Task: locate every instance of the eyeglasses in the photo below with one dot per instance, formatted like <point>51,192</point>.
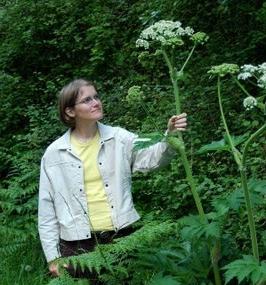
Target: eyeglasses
<point>88,100</point>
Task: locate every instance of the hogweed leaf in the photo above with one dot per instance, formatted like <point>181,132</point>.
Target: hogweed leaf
<point>222,145</point>
<point>146,140</point>
<point>248,268</point>
<point>214,146</point>
<point>194,228</point>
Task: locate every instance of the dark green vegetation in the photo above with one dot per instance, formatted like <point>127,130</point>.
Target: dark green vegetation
<point>45,44</point>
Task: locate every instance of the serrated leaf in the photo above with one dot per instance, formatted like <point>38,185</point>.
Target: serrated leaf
<point>221,145</point>
<point>194,228</point>
<point>257,189</point>
<point>241,269</point>
<point>236,199</point>
<point>212,230</point>
<point>221,208</point>
<point>146,140</point>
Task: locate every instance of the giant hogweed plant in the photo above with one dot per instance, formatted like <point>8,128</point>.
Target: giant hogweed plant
<point>165,39</point>
<point>249,267</point>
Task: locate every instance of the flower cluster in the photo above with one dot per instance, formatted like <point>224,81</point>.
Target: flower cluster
<point>224,69</point>
<point>258,72</point>
<point>134,95</point>
<point>250,102</point>
<point>166,33</point>
<point>199,38</point>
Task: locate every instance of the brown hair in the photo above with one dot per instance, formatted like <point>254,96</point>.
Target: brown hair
<point>67,98</point>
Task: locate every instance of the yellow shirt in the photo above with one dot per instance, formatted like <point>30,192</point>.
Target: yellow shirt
<point>98,206</point>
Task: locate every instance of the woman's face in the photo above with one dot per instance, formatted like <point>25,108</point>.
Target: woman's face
<point>88,107</point>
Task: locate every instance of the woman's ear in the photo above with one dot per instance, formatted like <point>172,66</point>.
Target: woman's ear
<point>70,112</point>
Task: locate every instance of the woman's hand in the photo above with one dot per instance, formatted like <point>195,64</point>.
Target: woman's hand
<point>177,123</point>
<point>54,268</point>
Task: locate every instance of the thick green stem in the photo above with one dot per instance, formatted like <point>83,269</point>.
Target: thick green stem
<point>251,222</point>
<point>215,256</point>
<point>252,227</point>
<point>215,251</point>
<point>235,152</point>
<point>173,76</point>
<point>241,162</point>
<point>179,145</point>
<point>192,183</point>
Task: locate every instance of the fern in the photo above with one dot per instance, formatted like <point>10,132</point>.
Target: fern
<point>111,261</point>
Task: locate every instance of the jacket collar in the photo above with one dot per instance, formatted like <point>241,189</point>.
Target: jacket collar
<point>106,133</point>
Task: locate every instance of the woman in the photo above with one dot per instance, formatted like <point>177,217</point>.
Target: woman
<point>85,179</point>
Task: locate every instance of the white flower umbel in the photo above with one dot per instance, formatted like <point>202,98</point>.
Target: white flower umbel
<point>262,75</point>
<point>262,81</point>
<point>249,68</point>
<point>244,75</point>
<point>142,43</point>
<point>262,67</point>
<point>247,71</point>
<point>257,72</point>
<point>164,33</point>
<point>250,102</point>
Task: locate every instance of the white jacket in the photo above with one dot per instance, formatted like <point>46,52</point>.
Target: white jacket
<point>63,212</point>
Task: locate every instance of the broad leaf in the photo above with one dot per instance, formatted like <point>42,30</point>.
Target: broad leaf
<point>222,145</point>
<point>146,140</point>
<point>194,228</point>
<point>248,268</point>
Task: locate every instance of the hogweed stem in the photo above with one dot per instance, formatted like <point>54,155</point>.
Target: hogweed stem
<point>179,145</point>
<point>241,162</point>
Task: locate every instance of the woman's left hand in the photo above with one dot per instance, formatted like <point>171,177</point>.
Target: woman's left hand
<point>177,123</point>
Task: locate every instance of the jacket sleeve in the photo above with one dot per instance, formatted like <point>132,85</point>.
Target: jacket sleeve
<point>47,220</point>
<point>152,157</point>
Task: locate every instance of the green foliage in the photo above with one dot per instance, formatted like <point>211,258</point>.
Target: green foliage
<point>115,262</point>
<point>158,279</point>
<point>67,280</point>
<point>146,140</point>
<point>247,268</point>
<point>194,228</point>
<point>222,144</point>
<point>45,44</point>
<point>25,265</point>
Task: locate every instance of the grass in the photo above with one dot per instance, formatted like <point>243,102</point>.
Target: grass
<point>24,266</point>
